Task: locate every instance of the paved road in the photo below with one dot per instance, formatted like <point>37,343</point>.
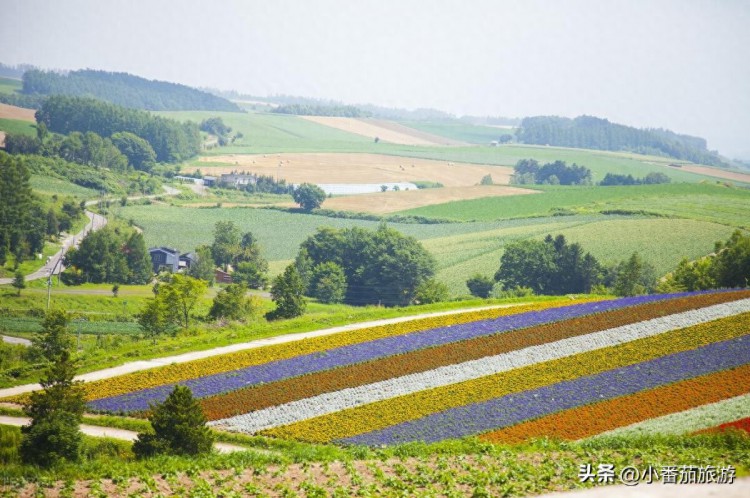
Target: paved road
<point>96,221</point>
<point>136,366</point>
<point>122,434</point>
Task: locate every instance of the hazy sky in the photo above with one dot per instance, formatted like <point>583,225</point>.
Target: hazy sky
<point>682,64</point>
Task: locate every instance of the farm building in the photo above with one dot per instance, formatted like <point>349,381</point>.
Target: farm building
<point>237,179</point>
<point>187,260</point>
<point>209,181</point>
<point>222,277</point>
<point>189,179</point>
<point>164,259</point>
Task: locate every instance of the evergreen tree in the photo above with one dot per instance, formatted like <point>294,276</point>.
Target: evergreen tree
<point>634,277</point>
<point>19,282</point>
<point>179,427</point>
<point>56,412</point>
<point>138,259</point>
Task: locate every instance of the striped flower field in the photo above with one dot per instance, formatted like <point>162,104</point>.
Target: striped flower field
<point>569,371</point>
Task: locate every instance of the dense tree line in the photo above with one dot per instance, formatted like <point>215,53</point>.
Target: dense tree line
<point>650,179</point>
<point>594,133</point>
<point>381,266</point>
<point>25,221</point>
<point>728,266</point>
<point>344,111</point>
<point>109,255</point>
<point>170,140</point>
<point>554,267</point>
<point>124,90</point>
<point>528,171</point>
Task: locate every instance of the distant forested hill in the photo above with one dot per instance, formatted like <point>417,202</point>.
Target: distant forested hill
<point>125,90</point>
<point>594,133</point>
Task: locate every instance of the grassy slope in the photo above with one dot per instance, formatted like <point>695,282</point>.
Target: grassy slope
<point>609,240</point>
<point>461,249</point>
<point>50,186</point>
<point>270,133</point>
<point>17,127</point>
<point>705,201</point>
<point>466,132</point>
<point>9,85</point>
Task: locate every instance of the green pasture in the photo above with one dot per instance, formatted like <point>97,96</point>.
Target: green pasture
<point>17,127</point>
<point>707,202</point>
<point>465,132</point>
<point>9,85</point>
<point>266,133</point>
<point>54,186</point>
<point>460,249</point>
<point>661,241</point>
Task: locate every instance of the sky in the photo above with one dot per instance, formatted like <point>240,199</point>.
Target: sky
<point>677,64</point>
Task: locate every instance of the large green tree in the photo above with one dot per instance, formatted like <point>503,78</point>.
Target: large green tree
<point>328,283</point>
<point>231,303</point>
<point>226,243</point>
<point>287,292</point>
<point>309,196</point>
<point>139,152</point>
<point>204,267</point>
<point>381,266</point>
<point>634,276</point>
<point>181,294</point>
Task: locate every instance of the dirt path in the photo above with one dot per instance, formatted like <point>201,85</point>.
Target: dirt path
<point>122,434</point>
<point>137,366</point>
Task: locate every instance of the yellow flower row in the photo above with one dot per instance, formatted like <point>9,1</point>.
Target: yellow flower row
<point>378,415</point>
<point>224,363</point>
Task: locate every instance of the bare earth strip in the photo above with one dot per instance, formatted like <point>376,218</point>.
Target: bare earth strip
<point>13,112</point>
<point>718,173</point>
<point>387,131</point>
<point>325,167</point>
<point>389,202</point>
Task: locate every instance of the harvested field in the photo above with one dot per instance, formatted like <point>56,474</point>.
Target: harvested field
<point>13,112</point>
<point>352,168</point>
<point>2,139</point>
<point>387,131</point>
<point>718,173</point>
<point>390,202</point>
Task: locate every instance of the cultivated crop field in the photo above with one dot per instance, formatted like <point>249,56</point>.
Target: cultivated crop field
<point>50,186</point>
<point>18,113</point>
<point>351,168</point>
<point>461,249</point>
<point>390,202</point>
<point>707,202</point>
<point>567,371</point>
<point>387,131</point>
<point>662,242</point>
<point>465,132</point>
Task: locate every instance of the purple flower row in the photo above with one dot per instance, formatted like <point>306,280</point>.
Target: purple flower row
<point>361,352</point>
<point>527,405</point>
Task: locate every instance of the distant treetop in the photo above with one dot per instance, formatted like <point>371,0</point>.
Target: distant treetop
<point>125,90</point>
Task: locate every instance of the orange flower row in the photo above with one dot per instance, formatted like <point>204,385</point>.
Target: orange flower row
<point>585,421</point>
<point>296,388</point>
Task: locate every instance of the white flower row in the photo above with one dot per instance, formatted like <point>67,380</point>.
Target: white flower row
<point>694,419</point>
<point>355,396</point>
